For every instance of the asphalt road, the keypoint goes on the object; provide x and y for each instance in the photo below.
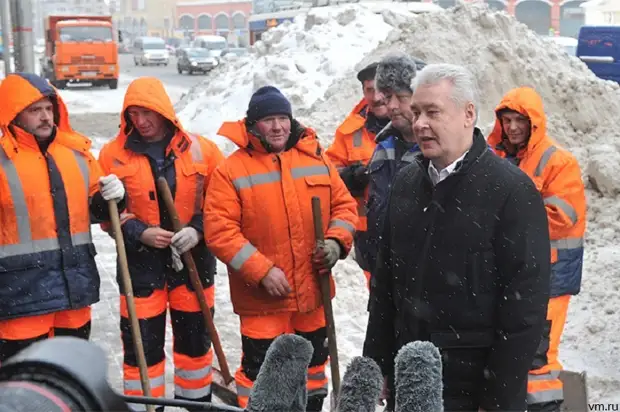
(167, 74)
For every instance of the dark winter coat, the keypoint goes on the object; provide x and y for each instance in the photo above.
(465, 265)
(391, 154)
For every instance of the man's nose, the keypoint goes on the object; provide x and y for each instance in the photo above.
(47, 115)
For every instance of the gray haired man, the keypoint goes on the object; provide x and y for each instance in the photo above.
(463, 259)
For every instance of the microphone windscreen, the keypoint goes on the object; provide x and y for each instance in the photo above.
(281, 382)
(418, 378)
(361, 386)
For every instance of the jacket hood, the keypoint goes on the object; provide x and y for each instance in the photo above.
(149, 93)
(527, 102)
(238, 133)
(20, 90)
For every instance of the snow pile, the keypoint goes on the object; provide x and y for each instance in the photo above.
(582, 111)
(301, 58)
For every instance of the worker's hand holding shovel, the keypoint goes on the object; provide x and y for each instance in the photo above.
(326, 256)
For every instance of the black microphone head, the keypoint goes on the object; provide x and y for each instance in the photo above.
(281, 382)
(418, 378)
(361, 386)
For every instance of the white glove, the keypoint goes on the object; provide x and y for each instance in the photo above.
(111, 188)
(185, 239)
(177, 263)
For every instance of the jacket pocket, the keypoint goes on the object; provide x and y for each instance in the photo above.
(463, 339)
(192, 187)
(20, 263)
(480, 268)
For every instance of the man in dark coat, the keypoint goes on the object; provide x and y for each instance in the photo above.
(464, 257)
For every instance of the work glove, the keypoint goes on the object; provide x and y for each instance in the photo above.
(185, 239)
(177, 263)
(325, 258)
(111, 188)
(356, 178)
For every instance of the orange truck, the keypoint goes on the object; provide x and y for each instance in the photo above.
(80, 49)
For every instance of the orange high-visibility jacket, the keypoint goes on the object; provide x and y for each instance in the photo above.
(46, 252)
(557, 175)
(353, 143)
(195, 158)
(258, 214)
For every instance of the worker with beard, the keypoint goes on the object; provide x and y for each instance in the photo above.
(353, 147)
(520, 135)
(51, 189)
(151, 144)
(396, 145)
(259, 222)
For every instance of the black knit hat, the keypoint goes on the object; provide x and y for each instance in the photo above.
(267, 101)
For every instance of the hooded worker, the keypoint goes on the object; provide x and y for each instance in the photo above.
(259, 222)
(152, 143)
(50, 189)
(520, 135)
(352, 149)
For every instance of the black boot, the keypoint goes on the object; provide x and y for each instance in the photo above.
(315, 404)
(555, 406)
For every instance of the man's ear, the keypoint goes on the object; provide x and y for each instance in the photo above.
(470, 115)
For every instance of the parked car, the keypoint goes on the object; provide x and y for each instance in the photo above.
(568, 44)
(196, 60)
(150, 50)
(598, 49)
(236, 51)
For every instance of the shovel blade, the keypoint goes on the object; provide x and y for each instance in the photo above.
(226, 393)
(575, 391)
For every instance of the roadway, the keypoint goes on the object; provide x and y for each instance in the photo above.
(167, 74)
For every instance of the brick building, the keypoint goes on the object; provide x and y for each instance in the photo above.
(228, 18)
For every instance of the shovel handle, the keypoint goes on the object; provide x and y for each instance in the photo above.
(188, 259)
(129, 298)
(327, 300)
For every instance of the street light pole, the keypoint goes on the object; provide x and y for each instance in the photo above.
(5, 14)
(23, 35)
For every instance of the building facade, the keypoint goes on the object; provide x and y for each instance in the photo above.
(43, 8)
(602, 12)
(558, 17)
(136, 18)
(217, 17)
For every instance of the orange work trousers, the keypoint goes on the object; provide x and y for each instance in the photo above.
(257, 334)
(192, 352)
(544, 386)
(19, 333)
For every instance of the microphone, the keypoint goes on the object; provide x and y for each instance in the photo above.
(418, 378)
(281, 382)
(361, 386)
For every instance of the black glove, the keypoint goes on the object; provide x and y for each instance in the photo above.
(356, 178)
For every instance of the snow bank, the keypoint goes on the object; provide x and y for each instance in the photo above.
(301, 58)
